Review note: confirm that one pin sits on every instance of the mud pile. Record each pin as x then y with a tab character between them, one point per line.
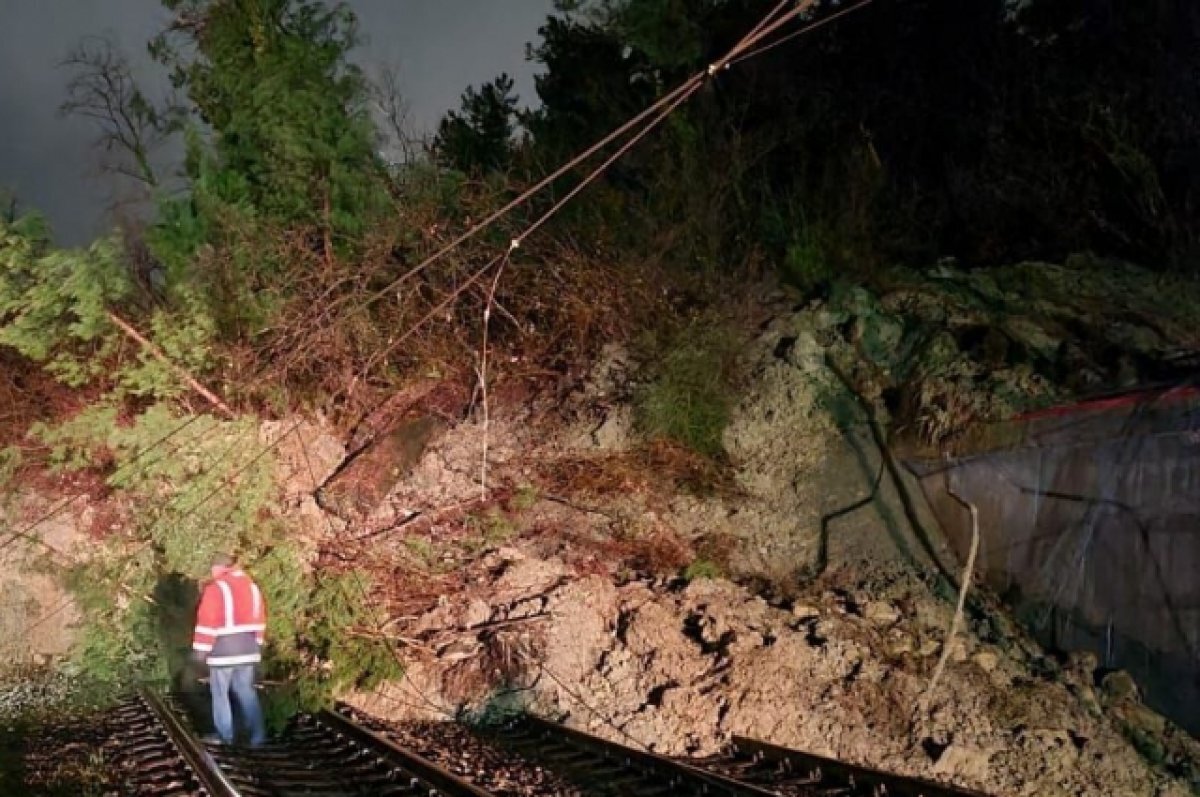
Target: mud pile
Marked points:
842	671
832	598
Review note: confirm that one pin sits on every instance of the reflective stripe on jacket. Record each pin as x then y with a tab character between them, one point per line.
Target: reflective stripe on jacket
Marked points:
231	620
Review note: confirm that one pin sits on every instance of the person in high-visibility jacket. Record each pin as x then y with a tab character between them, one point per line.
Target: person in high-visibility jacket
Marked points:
230	623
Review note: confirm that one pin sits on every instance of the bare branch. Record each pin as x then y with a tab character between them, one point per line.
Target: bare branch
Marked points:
394	114
103	90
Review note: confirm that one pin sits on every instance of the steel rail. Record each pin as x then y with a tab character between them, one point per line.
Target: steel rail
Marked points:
210	777
829	773
444	781
677	772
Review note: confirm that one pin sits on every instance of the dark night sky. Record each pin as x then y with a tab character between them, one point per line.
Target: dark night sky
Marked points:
438	46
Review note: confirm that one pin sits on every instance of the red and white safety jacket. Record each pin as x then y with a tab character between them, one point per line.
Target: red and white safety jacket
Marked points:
231	620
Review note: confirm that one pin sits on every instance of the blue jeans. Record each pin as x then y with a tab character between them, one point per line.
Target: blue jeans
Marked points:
238	679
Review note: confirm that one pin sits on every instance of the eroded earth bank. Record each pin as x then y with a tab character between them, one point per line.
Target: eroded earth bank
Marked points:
793	588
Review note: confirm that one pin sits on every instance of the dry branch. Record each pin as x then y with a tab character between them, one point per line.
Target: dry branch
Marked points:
209	396
963	589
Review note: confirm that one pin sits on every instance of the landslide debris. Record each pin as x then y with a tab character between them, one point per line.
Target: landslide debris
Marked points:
798	593
840	671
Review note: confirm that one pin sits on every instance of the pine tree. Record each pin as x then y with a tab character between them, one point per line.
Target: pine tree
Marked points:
479	137
292	137
53	302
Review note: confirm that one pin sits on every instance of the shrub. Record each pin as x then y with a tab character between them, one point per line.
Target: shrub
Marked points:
689	394
703	568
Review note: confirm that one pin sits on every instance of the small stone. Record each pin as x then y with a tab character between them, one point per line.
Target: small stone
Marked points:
478	613
459	650
1119	686
986	660
900	643
1087	696
929	647
958	651
963	762
509	554
881	613
803	612
1083	664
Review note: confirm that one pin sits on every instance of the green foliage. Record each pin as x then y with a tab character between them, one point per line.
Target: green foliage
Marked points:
689	393
281	158
1043	128
53	302
526	498
350	648
211	488
588	83
703	568
55	307
293	141
423	549
806	260
10	461
479	137
670	32
491	527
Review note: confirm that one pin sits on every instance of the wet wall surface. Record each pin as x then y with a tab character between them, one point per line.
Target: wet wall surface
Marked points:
1090	527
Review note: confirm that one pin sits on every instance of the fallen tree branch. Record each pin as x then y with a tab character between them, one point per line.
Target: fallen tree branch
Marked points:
486	626
589	510
963	589
377	636
189	380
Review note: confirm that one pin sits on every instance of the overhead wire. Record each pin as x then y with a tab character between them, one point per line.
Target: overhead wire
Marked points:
685	92
774	12
656	114
775	20
535	225
663	107
822	22
768	25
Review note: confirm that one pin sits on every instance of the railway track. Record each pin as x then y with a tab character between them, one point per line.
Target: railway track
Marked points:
750	769
791	772
325	755
331	755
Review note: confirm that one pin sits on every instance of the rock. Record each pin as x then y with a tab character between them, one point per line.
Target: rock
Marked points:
963	763
1119	686
308	454
478	612
1088	697
929	647
503	555
459	650
881	613
1082	664
806	354
986	660
363	482
1140	718
615	432
803	612
900	643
